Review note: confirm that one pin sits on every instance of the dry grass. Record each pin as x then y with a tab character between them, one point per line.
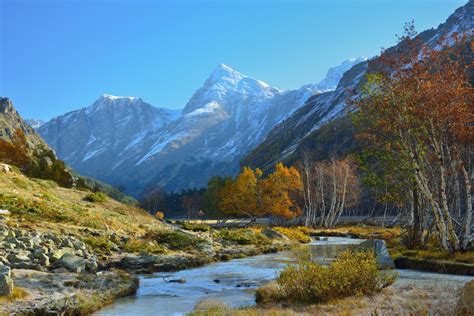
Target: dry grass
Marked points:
395	300
299	234
42	205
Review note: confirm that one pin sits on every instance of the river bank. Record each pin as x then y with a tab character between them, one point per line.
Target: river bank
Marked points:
58	274
233	283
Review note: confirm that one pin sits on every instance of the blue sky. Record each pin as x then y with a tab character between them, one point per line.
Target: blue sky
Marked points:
61	55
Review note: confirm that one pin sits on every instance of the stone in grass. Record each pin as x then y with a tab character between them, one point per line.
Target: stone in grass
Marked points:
6	283
71	262
273	234
384	260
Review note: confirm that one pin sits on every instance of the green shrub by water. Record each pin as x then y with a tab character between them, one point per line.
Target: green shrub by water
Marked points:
353	273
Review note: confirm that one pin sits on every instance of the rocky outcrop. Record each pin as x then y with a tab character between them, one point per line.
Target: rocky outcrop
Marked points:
24	249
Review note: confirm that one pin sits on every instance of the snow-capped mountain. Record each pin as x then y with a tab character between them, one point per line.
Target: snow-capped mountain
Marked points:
127	142
91	138
301	132
34	123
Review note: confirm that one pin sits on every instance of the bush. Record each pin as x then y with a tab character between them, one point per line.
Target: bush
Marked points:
209	307
99	244
143	246
195	227
242	237
296	234
174	240
96	197
353	273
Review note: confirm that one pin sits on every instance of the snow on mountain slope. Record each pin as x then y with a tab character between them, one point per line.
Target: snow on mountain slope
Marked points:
34	123
127	142
91	138
286	138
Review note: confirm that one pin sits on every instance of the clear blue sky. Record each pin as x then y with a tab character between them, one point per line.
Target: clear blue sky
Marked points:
61	55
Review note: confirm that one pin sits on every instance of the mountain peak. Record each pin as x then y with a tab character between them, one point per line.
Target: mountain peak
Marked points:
222	71
111	97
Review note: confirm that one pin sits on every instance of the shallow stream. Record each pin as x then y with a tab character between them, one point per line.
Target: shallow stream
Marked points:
234	282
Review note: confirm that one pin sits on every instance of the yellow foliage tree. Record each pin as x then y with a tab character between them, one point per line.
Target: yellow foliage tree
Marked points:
279	192
241	196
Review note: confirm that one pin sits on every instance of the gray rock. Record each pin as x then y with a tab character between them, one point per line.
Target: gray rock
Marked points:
26	265
17	258
6	285
91	265
59	253
5	270
71	262
273	234
384	260
78	245
43	260
67	243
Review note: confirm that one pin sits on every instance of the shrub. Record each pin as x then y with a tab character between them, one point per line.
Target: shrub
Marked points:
242	237
295	234
209	307
96	197
174	240
353	273
195	227
143	246
99	244
159	215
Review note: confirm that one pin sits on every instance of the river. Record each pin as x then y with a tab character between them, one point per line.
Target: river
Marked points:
234	282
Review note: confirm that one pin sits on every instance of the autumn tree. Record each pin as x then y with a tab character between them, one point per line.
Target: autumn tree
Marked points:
241	195
253	195
280	191
418	110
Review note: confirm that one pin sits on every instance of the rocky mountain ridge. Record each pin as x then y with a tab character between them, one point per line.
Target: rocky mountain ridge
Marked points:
129	143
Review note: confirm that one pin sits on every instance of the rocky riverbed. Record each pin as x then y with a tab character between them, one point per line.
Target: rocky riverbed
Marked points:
45	272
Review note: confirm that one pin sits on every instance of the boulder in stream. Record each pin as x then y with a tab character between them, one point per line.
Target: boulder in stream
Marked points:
381	252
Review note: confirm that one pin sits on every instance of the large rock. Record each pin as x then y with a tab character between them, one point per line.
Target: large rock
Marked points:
6	285
59	253
273	234
384	260
466	301
18	258
71	262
